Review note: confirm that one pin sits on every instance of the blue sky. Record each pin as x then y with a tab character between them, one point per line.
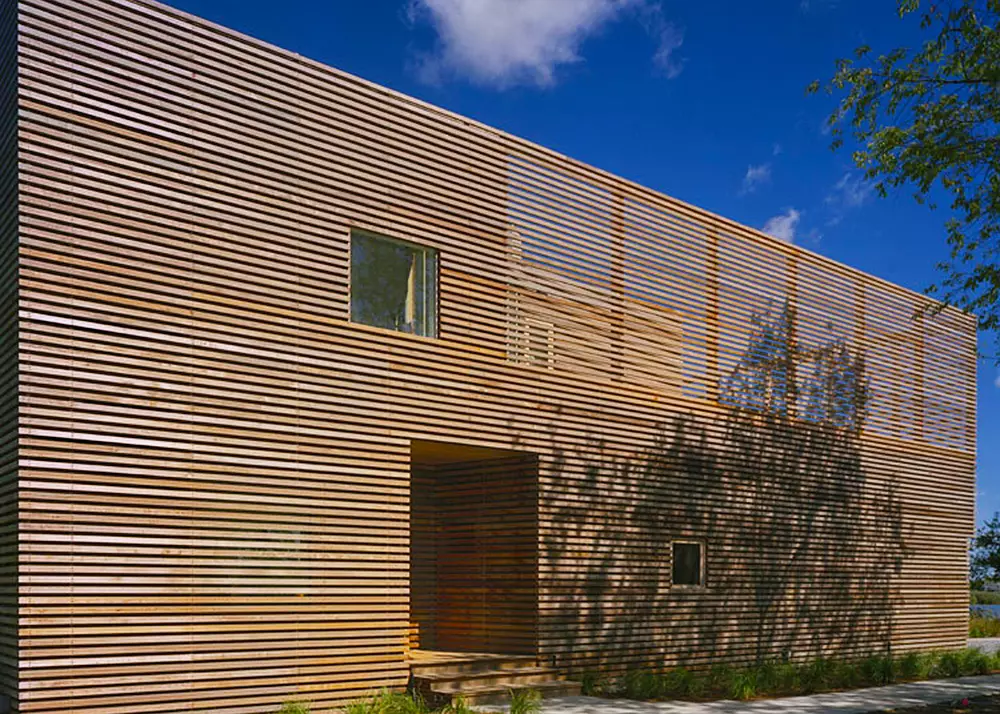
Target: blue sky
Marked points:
703	101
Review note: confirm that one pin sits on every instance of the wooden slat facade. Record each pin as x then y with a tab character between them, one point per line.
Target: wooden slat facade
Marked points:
213	483
8	355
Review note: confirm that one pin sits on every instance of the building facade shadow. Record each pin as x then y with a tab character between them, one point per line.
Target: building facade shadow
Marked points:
802	546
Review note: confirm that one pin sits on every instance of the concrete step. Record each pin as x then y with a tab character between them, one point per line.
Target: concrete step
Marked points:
500	696
454	683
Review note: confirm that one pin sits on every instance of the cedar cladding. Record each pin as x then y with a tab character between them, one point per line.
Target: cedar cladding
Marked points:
213	489
8	355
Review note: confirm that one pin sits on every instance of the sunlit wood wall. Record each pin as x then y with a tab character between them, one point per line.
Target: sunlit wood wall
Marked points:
8	357
213	493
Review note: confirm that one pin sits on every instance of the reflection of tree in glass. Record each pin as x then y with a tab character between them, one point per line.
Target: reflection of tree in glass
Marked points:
764	380
824	385
836	390
389	284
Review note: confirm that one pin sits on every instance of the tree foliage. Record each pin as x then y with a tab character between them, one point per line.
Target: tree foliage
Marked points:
984	560
928	118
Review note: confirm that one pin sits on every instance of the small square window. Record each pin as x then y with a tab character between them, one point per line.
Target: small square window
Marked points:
393	284
688	564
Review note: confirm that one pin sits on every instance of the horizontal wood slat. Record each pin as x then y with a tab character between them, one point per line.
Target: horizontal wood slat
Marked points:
9	289
206	494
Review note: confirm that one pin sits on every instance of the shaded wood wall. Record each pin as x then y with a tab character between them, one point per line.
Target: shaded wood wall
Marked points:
424	537
487	556
214	484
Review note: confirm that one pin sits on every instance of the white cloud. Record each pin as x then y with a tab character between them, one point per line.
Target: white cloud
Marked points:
997	382
507	42
777	149
669	39
850	192
755	176
807	5
783	225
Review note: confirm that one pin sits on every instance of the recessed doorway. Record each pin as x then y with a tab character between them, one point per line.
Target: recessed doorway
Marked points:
473	549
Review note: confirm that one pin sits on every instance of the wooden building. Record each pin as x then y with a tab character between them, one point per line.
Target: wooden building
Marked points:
303	378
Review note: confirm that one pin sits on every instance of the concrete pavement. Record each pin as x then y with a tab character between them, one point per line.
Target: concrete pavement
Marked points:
859	701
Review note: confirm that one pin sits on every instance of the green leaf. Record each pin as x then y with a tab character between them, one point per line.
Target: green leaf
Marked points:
927	117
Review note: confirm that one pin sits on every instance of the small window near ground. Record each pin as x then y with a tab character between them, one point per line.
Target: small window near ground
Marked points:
393	284
688	565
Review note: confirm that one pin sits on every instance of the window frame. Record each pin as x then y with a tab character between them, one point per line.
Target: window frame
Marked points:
434	317
702	563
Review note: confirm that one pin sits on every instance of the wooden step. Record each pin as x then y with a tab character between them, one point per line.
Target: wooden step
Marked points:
467	663
453	683
499	696
482	679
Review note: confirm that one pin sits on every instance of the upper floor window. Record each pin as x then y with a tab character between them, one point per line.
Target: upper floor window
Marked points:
393	284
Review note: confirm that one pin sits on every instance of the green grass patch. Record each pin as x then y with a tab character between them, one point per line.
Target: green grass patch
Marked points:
769	679
294	708
772	679
590	684
524	701
387	701
743	684
983	597
983	626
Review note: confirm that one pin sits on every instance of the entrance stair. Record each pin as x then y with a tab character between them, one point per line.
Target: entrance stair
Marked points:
482	679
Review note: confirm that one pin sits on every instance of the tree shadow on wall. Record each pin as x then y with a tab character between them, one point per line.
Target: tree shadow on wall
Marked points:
803	546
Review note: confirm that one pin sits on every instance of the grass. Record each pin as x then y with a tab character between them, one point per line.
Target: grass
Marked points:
294	708
913	666
983	597
984	626
789	679
525	701
683	683
457	706
743	684
590	683
721	681
386	701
